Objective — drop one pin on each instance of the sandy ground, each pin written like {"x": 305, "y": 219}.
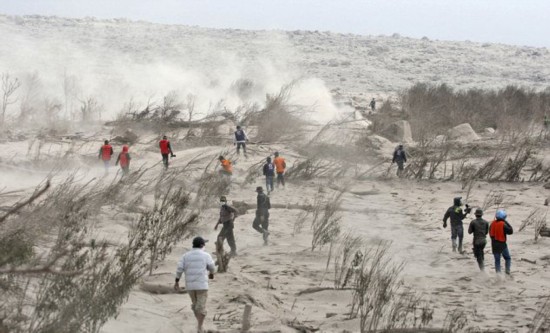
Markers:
{"x": 406, "y": 213}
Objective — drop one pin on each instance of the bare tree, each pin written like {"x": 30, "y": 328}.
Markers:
{"x": 70, "y": 91}
{"x": 90, "y": 109}
{"x": 30, "y": 96}
{"x": 9, "y": 86}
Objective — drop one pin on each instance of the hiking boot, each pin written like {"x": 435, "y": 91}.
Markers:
{"x": 266, "y": 235}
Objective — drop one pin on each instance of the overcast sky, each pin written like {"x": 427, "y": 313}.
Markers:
{"x": 520, "y": 22}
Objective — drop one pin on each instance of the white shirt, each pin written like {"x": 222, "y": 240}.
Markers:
{"x": 195, "y": 264}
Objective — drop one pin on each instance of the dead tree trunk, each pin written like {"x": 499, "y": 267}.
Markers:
{"x": 246, "y": 318}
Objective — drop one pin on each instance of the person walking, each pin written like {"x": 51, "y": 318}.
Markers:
{"x": 269, "y": 173}
{"x": 105, "y": 153}
{"x": 124, "y": 159}
{"x": 456, "y": 215}
{"x": 480, "y": 228}
{"x": 165, "y": 150}
{"x": 240, "y": 140}
{"x": 399, "y": 157}
{"x": 227, "y": 219}
{"x": 372, "y": 105}
{"x": 198, "y": 267}
{"x": 280, "y": 166}
{"x": 261, "y": 222}
{"x": 498, "y": 231}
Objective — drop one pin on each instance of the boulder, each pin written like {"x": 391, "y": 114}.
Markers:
{"x": 129, "y": 137}
{"x": 400, "y": 131}
{"x": 489, "y": 131}
{"x": 462, "y": 133}
{"x": 380, "y": 143}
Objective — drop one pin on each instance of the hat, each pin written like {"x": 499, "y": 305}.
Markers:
{"x": 199, "y": 241}
{"x": 479, "y": 212}
{"x": 259, "y": 189}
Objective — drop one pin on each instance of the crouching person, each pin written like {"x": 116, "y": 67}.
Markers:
{"x": 198, "y": 267}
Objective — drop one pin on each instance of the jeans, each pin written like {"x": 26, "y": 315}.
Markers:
{"x": 261, "y": 222}
{"x": 400, "y": 168}
{"x": 269, "y": 183}
{"x": 239, "y": 145}
{"x": 507, "y": 258}
{"x": 457, "y": 231}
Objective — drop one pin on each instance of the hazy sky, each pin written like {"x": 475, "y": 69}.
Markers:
{"x": 521, "y": 22}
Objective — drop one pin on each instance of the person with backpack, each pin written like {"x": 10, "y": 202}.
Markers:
{"x": 124, "y": 159}
{"x": 261, "y": 222}
{"x": 399, "y": 157}
{"x": 105, "y": 153}
{"x": 498, "y": 231}
{"x": 240, "y": 140}
{"x": 280, "y": 166}
{"x": 165, "y": 150}
{"x": 456, "y": 215}
{"x": 480, "y": 228}
{"x": 269, "y": 173}
{"x": 227, "y": 219}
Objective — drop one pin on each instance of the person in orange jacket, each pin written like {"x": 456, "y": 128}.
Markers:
{"x": 124, "y": 159}
{"x": 227, "y": 168}
{"x": 280, "y": 166}
{"x": 105, "y": 153}
{"x": 498, "y": 231}
{"x": 165, "y": 150}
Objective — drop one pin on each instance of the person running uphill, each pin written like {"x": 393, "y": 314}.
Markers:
{"x": 196, "y": 264}
{"x": 280, "y": 166}
{"x": 269, "y": 173}
{"x": 399, "y": 157}
{"x": 165, "y": 150}
{"x": 227, "y": 218}
{"x": 480, "y": 228}
{"x": 240, "y": 140}
{"x": 227, "y": 167}
{"x": 105, "y": 153}
{"x": 124, "y": 159}
{"x": 498, "y": 230}
{"x": 457, "y": 216}
{"x": 261, "y": 222}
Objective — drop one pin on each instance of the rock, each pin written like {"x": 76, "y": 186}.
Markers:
{"x": 330, "y": 314}
{"x": 129, "y": 137}
{"x": 380, "y": 143}
{"x": 400, "y": 131}
{"x": 462, "y": 133}
{"x": 489, "y": 131}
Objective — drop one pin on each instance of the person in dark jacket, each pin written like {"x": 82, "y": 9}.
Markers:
{"x": 372, "y": 105}
{"x": 456, "y": 215}
{"x": 269, "y": 173}
{"x": 261, "y": 222}
{"x": 227, "y": 219}
{"x": 498, "y": 230}
{"x": 105, "y": 153}
{"x": 399, "y": 157}
{"x": 240, "y": 140}
{"x": 165, "y": 150}
{"x": 124, "y": 160}
{"x": 480, "y": 228}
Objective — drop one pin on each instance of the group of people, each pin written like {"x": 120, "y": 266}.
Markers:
{"x": 498, "y": 230}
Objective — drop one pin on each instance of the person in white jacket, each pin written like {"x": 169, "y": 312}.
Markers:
{"x": 198, "y": 267}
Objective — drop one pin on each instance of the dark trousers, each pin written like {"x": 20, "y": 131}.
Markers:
{"x": 227, "y": 233}
{"x": 165, "y": 160}
{"x": 280, "y": 179}
{"x": 478, "y": 253}
{"x": 457, "y": 231}
{"x": 400, "y": 168}
{"x": 507, "y": 258}
{"x": 261, "y": 222}
{"x": 125, "y": 170}
{"x": 239, "y": 145}
{"x": 269, "y": 183}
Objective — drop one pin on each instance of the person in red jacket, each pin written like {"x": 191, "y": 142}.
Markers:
{"x": 105, "y": 153}
{"x": 124, "y": 159}
{"x": 165, "y": 149}
{"x": 498, "y": 231}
